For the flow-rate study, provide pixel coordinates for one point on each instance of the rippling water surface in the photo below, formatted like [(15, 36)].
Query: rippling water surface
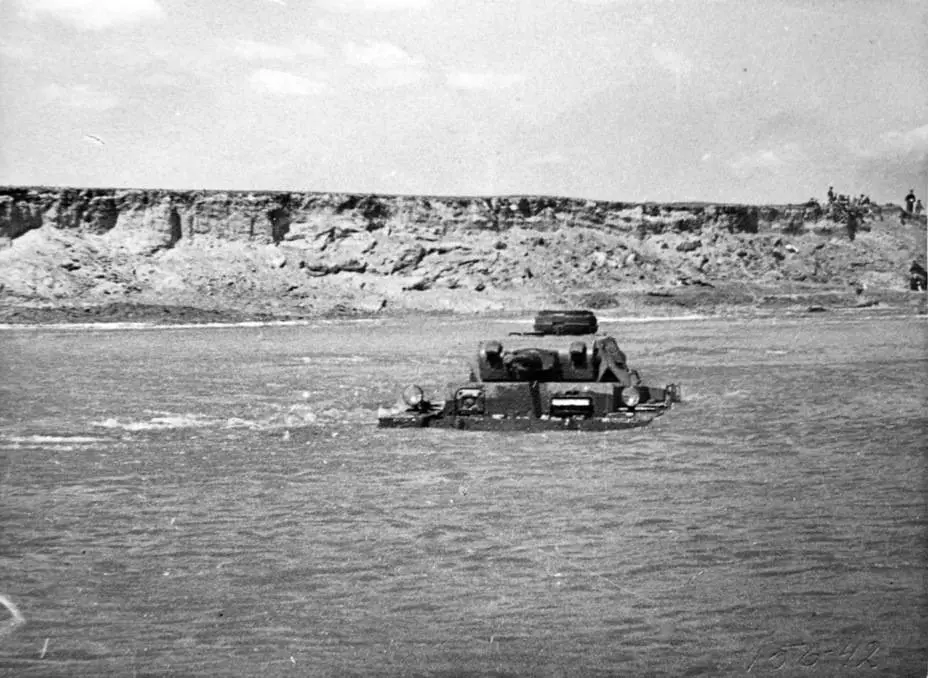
[(218, 501)]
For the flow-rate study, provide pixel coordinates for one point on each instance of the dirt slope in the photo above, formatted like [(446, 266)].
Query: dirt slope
[(100, 253)]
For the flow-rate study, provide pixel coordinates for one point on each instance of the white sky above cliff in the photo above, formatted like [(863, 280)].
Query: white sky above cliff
[(758, 101)]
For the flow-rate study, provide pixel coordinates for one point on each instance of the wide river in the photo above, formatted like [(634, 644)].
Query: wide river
[(217, 501)]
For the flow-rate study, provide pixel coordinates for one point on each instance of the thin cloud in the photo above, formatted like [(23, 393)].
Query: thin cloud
[(672, 61), (762, 160), (373, 5), (160, 80), (893, 144), (80, 96), (379, 55), (770, 160), (284, 83), (392, 65), (252, 50), (906, 142), (400, 77), (551, 158), (605, 3), (93, 15), (15, 51), (483, 81)]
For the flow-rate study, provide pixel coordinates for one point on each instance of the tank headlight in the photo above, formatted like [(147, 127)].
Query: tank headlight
[(469, 400), (631, 396), (413, 396)]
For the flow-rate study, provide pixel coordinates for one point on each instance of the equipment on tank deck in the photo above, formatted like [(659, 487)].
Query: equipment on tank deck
[(565, 322), (585, 386)]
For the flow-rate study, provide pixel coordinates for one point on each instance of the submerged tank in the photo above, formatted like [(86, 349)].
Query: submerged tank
[(587, 386)]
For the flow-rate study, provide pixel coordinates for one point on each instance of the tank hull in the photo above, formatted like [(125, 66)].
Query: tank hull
[(438, 418), (521, 424), (586, 387)]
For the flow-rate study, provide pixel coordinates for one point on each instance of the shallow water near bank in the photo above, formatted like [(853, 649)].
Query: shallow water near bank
[(219, 501)]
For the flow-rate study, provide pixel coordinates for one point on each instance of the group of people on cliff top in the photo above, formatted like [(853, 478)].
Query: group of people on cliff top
[(843, 199), (913, 205), (845, 208)]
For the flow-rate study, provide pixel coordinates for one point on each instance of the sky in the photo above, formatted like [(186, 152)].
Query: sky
[(738, 101)]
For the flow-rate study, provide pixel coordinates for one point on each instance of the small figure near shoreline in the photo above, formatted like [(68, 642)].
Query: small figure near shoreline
[(918, 277)]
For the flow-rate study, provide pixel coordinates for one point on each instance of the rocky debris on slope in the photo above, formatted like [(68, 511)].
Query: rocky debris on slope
[(309, 253)]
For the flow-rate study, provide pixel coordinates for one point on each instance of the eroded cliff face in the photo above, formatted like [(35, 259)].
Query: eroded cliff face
[(272, 217), (318, 251)]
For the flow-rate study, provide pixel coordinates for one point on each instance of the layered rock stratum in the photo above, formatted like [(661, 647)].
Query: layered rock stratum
[(70, 253)]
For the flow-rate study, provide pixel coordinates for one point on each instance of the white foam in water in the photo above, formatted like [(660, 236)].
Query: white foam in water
[(160, 423), (114, 326), (335, 359), (16, 617), (295, 415), (302, 415), (655, 318), (349, 321), (56, 440), (237, 422)]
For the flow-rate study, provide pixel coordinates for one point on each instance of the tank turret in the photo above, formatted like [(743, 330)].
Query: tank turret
[(585, 385), (602, 360)]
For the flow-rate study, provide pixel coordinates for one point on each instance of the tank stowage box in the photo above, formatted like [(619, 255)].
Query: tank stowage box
[(587, 385)]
